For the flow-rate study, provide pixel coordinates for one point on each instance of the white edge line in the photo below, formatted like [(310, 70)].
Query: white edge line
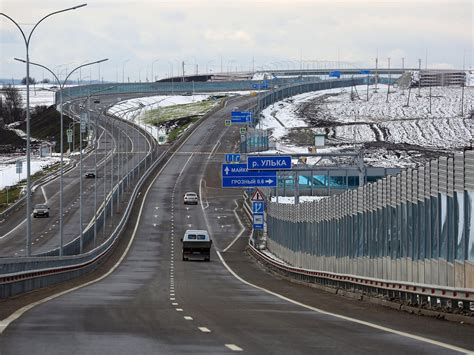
[(4, 323), (200, 195), (368, 324), (44, 194), (241, 226)]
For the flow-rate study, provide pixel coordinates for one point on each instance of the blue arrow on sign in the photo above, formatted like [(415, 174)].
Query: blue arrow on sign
[(240, 170), (275, 162), (364, 71), (249, 181), (258, 207), (237, 175)]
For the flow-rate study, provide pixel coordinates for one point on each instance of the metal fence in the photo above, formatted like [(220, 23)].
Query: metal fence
[(416, 227), (174, 87)]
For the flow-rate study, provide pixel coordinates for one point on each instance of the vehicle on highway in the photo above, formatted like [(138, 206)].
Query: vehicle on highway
[(97, 101), (89, 175), (196, 245), (41, 210), (190, 198)]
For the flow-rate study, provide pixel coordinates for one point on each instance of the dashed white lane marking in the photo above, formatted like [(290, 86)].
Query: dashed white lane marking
[(175, 304), (172, 294), (172, 299), (188, 318), (204, 329), (233, 347), (179, 309)]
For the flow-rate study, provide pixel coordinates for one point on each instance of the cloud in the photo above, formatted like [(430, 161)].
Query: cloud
[(224, 36)]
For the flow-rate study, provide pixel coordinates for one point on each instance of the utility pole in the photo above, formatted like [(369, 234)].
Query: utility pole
[(182, 64), (463, 82), (376, 72), (419, 77), (389, 78)]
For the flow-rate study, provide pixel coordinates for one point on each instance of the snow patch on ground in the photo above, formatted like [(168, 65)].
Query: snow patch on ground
[(134, 109), (392, 134), (291, 199), (8, 174)]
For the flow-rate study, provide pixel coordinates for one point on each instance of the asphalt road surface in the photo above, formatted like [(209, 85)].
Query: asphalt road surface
[(118, 142), (155, 303)]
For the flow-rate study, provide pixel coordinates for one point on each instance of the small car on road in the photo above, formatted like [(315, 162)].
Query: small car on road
[(89, 175), (41, 210), (190, 198)]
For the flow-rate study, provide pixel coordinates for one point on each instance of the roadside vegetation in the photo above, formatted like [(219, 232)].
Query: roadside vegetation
[(177, 118), (171, 113), (7, 197)]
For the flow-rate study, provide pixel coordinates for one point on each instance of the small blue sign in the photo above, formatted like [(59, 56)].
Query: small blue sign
[(249, 181), (260, 86), (275, 162), (258, 207), (335, 74), (232, 158), (241, 116), (258, 221), (364, 71), (240, 170)]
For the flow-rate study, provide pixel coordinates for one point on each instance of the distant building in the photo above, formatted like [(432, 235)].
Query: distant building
[(443, 78)]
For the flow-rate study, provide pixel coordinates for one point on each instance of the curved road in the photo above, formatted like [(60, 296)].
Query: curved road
[(128, 146), (154, 303)]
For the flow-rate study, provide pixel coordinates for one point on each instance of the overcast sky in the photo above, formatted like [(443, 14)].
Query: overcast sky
[(276, 33)]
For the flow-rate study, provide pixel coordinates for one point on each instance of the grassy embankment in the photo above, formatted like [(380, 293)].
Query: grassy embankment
[(179, 117)]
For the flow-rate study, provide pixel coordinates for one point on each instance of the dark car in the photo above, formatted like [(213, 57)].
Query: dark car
[(89, 175), (41, 211), (97, 101)]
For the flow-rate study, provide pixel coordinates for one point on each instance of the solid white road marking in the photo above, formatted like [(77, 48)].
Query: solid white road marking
[(242, 228), (233, 347), (354, 320), (204, 329)]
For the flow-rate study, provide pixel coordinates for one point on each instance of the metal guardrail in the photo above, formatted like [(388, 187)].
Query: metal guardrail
[(409, 292), (19, 275)]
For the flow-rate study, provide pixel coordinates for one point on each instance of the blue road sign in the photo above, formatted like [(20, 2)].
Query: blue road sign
[(240, 170), (273, 162), (335, 74), (258, 221), (241, 116), (232, 158), (249, 181), (364, 71), (237, 175), (258, 207)]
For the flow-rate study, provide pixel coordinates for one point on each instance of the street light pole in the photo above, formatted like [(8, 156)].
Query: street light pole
[(28, 138), (152, 76), (123, 69), (61, 88)]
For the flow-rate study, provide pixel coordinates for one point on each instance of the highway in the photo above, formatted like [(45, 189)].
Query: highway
[(152, 302), (128, 146)]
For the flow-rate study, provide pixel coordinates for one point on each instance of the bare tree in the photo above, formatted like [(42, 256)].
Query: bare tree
[(11, 109)]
